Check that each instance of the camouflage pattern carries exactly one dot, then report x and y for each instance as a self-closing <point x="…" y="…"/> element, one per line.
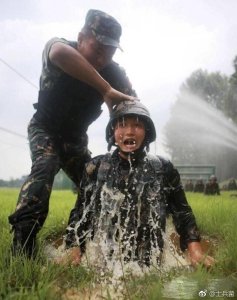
<point x="104" y="27"/>
<point x="57" y="133"/>
<point x="57" y="136"/>
<point x="138" y="198"/>
<point x="48" y="153"/>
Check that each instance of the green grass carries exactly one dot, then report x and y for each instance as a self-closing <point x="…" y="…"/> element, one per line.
<point x="41" y="279"/>
<point x="217" y="217"/>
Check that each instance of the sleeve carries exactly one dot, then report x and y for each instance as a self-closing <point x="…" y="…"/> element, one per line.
<point x="183" y="217"/>
<point x="50" y="72"/>
<point x="81" y="223"/>
<point x="45" y="55"/>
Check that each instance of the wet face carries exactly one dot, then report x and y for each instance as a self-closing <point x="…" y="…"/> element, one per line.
<point x="97" y="54"/>
<point x="129" y="134"/>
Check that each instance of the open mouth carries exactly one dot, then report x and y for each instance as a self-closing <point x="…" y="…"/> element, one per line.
<point x="130" y="142"/>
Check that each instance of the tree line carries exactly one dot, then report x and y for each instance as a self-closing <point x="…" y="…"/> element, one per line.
<point x="61" y="181"/>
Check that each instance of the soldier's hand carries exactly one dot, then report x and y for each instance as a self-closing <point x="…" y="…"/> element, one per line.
<point x="196" y="256"/>
<point x="113" y="97"/>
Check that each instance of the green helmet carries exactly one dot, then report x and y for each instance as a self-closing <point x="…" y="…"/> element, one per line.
<point x="131" y="108"/>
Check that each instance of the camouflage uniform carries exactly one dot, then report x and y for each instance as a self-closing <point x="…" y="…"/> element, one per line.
<point x="188" y="187"/>
<point x="57" y="131"/>
<point x="212" y="186"/>
<point x="199" y="186"/>
<point x="232" y="186"/>
<point x="129" y="201"/>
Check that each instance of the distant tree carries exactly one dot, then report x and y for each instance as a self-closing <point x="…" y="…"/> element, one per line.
<point x="211" y="87"/>
<point x="61" y="181"/>
<point x="199" y="131"/>
<point x="231" y="101"/>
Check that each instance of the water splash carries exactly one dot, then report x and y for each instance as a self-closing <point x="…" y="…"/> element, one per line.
<point x="112" y="253"/>
<point x="208" y="123"/>
<point x="185" y="287"/>
<point x="98" y="257"/>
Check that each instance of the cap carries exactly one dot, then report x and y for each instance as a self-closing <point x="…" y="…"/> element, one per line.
<point x="104" y="27"/>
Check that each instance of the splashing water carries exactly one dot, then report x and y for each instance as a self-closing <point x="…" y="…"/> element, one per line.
<point x="184" y="287"/>
<point x="114" y="242"/>
<point x="106" y="252"/>
<point x="209" y="123"/>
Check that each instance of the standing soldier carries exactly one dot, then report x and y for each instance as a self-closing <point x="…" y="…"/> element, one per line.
<point x="212" y="186"/>
<point x="77" y="77"/>
<point x="189" y="186"/>
<point x="199" y="186"/>
<point x="232" y="186"/>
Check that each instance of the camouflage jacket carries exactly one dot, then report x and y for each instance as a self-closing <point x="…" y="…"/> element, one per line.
<point x="67" y="106"/>
<point x="129" y="201"/>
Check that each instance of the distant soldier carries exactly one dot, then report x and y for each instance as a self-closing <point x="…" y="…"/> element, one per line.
<point x="212" y="186"/>
<point x="199" y="186"/>
<point x="189" y="186"/>
<point x="232" y="186"/>
<point x="224" y="187"/>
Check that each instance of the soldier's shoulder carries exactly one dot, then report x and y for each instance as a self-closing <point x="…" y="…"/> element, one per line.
<point x="170" y="171"/>
<point x="165" y="162"/>
<point x="160" y="163"/>
<point x="54" y="40"/>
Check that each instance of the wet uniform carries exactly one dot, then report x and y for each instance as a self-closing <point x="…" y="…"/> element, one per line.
<point x="128" y="202"/>
<point x="57" y="135"/>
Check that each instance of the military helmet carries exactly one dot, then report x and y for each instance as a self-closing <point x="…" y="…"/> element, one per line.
<point x="131" y="108"/>
<point x="213" y="177"/>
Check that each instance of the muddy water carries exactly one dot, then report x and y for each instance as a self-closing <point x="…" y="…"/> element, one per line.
<point x="187" y="288"/>
<point x="112" y="272"/>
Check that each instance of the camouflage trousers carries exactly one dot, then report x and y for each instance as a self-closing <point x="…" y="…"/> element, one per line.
<point x="49" y="154"/>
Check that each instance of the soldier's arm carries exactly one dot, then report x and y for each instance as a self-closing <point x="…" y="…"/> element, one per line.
<point x="184" y="219"/>
<point x="179" y="208"/>
<point x="73" y="63"/>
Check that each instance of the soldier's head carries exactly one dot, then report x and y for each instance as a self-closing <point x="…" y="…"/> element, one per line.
<point x="213" y="178"/>
<point x="99" y="38"/>
<point x="130" y="127"/>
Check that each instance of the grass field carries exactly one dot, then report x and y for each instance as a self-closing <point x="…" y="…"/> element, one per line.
<point x="41" y="279"/>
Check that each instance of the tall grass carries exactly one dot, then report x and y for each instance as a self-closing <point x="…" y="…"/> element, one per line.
<point x="217" y="218"/>
<point x="40" y="279"/>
